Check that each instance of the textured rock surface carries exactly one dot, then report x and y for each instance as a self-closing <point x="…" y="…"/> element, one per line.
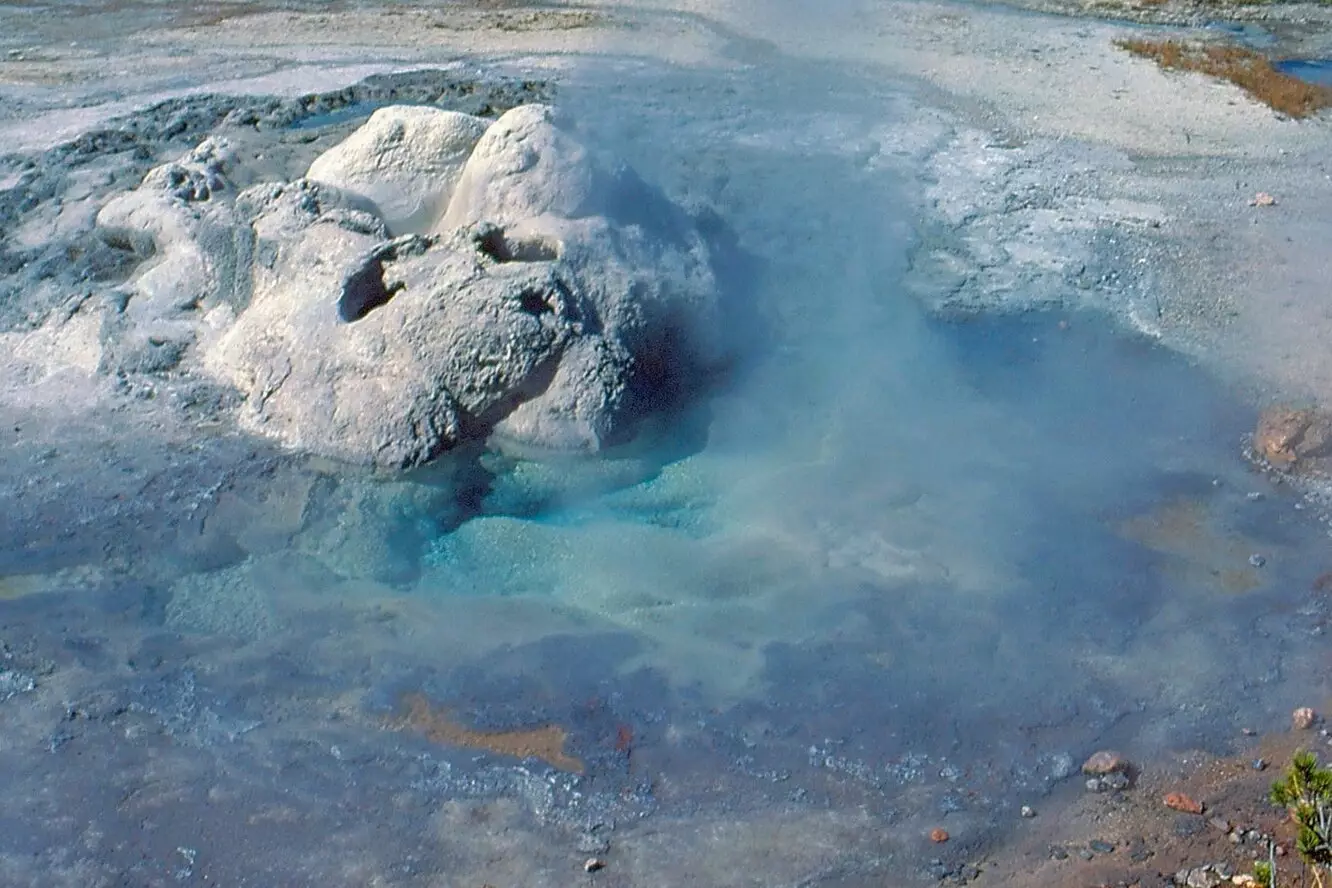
<point x="555" y="299"/>
<point x="405" y="160"/>
<point x="181" y="223"/>
<point x="1294" y="439"/>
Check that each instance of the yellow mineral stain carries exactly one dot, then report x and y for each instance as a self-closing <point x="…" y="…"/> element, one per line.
<point x="22" y="585"/>
<point x="545" y="743"/>
<point x="1198" y="555"/>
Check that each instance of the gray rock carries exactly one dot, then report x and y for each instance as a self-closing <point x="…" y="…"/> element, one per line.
<point x="405" y="160"/>
<point x="555" y="300"/>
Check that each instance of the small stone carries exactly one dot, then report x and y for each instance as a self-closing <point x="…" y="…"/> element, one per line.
<point x="1181" y="802"/>
<point x="592" y="864"/>
<point x="1253" y="496"/>
<point x="1028" y="811"/>
<point x="1263" y="199"/>
<point x="1243" y="879"/>
<point x="1280" y="850"/>
<point x="1105" y="762"/>
<point x="1248" y="732"/>
<point x="1253" y="836"/>
<point x="1058" y="853"/>
<point x="1302" y="719"/>
<point x="1236" y="837"/>
<point x="1200" y="877"/>
<point x="1085" y="854"/>
<point x="1260" y="764"/>
<point x="1219" y="823"/>
<point x="1100" y="846"/>
<point x="1095" y="785"/>
<point x="938" y="835"/>
<point x="1257" y="560"/>
<point x="1116" y="781"/>
<point x="1188" y="825"/>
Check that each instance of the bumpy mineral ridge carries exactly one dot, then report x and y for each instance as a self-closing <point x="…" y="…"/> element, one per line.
<point x="434" y="278"/>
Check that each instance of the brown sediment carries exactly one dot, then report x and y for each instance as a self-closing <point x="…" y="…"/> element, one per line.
<point x="1250" y="71"/>
<point x="1199" y="556"/>
<point x="1152" y="840"/>
<point x="545" y="743"/>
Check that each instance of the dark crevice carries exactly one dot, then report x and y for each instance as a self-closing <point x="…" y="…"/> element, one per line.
<point x="493" y="242"/>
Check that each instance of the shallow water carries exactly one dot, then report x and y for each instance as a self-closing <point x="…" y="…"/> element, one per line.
<point x="1313" y="70"/>
<point x="894" y="572"/>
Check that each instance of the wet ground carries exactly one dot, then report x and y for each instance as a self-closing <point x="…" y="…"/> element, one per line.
<point x="896" y="572"/>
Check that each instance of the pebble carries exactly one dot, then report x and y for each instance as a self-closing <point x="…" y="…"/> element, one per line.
<point x="1116" y="781"/>
<point x="1219" y="823"/>
<point x="592" y="864"/>
<point x="1257" y="560"/>
<point x="1181" y="802"/>
<point x="1085" y="854"/>
<point x="1105" y="762"/>
<point x="1100" y="846"/>
<point x="1236" y="837"/>
<point x="1253" y="496"/>
<point x="1028" y="811"/>
<point x="938" y="835"/>
<point x="1303" y="719"/>
<point x="1057" y="853"/>
<point x="1260" y="764"/>
<point x="1198" y="877"/>
<point x="1188" y="825"/>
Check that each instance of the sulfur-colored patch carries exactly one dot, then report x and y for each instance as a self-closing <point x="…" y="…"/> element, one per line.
<point x="1198" y="555"/>
<point x="545" y="743"/>
<point x="22" y="585"/>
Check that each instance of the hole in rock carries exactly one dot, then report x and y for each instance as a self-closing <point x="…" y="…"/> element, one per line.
<point x="493" y="242"/>
<point x="364" y="290"/>
<point x="535" y="302"/>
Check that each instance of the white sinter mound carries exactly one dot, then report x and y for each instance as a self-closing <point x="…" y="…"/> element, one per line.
<point x="428" y="281"/>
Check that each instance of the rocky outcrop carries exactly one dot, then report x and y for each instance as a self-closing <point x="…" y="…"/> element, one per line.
<point x="405" y="161"/>
<point x="1295" y="439"/>
<point x="551" y="299"/>
<point x="181" y="223"/>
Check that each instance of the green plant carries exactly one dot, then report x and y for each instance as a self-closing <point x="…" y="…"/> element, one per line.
<point x="1264" y="873"/>
<point x="1305" y="790"/>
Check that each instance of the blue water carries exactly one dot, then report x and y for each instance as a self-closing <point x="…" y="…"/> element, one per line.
<point x="1313" y="70"/>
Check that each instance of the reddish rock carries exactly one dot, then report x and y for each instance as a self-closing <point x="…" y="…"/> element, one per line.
<point x="938" y="835"/>
<point x="1105" y="762"/>
<point x="1303" y="719"/>
<point x="1180" y="802"/>
<point x="1294" y="439"/>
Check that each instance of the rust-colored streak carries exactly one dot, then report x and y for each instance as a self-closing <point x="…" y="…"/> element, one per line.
<point x="1250" y="71"/>
<point x="624" y="739"/>
<point x="545" y="743"/>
